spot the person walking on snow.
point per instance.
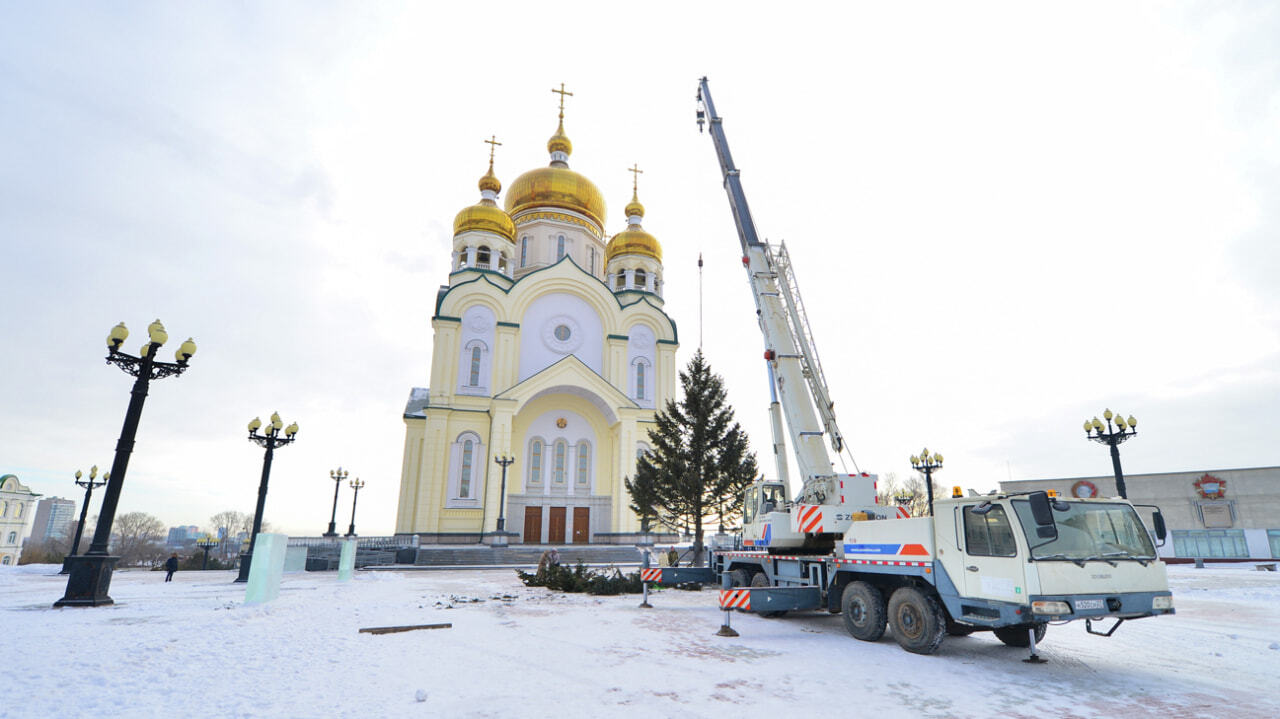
(171, 566)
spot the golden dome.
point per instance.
(559, 142)
(634, 208)
(556, 187)
(485, 217)
(634, 242)
(490, 181)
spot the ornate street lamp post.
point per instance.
(1113, 436)
(90, 573)
(206, 543)
(270, 439)
(356, 484)
(337, 475)
(502, 494)
(89, 485)
(927, 465)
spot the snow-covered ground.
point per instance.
(192, 648)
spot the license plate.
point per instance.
(1088, 604)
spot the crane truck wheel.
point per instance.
(917, 620)
(862, 606)
(1016, 636)
(760, 580)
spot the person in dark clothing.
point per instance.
(171, 565)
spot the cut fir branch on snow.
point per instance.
(701, 460)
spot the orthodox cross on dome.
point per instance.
(562, 92)
(493, 145)
(636, 172)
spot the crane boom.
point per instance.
(796, 376)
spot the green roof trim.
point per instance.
(509, 324)
(624, 338)
(487, 276)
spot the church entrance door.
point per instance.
(581, 525)
(556, 535)
(533, 525)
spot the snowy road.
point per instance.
(192, 648)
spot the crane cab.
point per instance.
(766, 517)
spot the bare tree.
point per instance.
(139, 538)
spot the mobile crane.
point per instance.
(1001, 562)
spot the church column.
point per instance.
(631, 280)
(433, 482)
(471, 256)
(628, 435)
(444, 351)
(499, 446)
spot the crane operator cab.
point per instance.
(766, 516)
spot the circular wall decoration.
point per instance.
(560, 334)
(562, 423)
(1084, 489)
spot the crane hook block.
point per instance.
(769, 355)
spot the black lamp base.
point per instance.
(89, 580)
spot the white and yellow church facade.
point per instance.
(551, 349)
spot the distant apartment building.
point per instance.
(181, 536)
(16, 500)
(53, 520)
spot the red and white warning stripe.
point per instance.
(810, 518)
(735, 599)
(651, 575)
(884, 562)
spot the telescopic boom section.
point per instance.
(785, 346)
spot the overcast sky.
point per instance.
(1004, 217)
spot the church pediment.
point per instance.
(571, 376)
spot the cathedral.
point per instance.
(551, 352)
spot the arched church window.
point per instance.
(535, 462)
(4, 507)
(619, 282)
(474, 379)
(593, 260)
(639, 279)
(524, 251)
(584, 464)
(560, 247)
(13, 537)
(17, 510)
(464, 479)
(6, 560)
(502, 263)
(482, 256)
(558, 468)
(642, 377)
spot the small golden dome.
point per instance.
(633, 242)
(556, 187)
(490, 181)
(485, 217)
(559, 142)
(634, 208)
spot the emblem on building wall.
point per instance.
(561, 423)
(1084, 489)
(1210, 487)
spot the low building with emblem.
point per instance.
(1210, 514)
(551, 348)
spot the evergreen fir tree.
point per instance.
(701, 461)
